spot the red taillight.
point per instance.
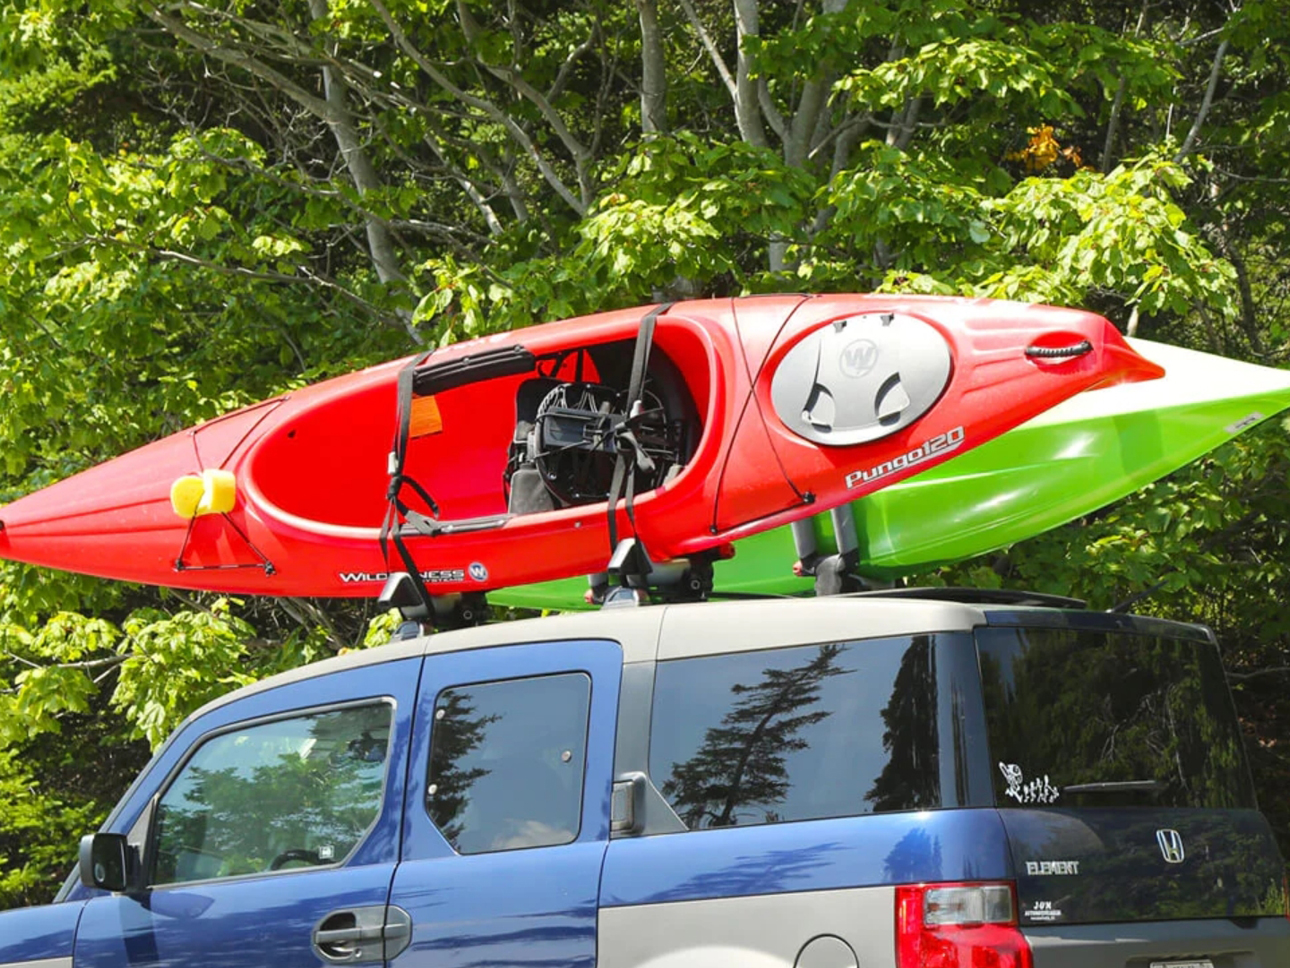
(959, 926)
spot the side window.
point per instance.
(507, 762)
(287, 793)
(801, 733)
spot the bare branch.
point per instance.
(1190, 141)
(770, 111)
(517, 82)
(705, 38)
(1258, 673)
(1117, 105)
(331, 108)
(490, 109)
(317, 106)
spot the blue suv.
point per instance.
(832, 783)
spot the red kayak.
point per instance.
(706, 421)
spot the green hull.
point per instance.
(1079, 456)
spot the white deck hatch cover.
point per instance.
(861, 378)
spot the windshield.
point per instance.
(1109, 718)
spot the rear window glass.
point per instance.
(801, 733)
(1102, 719)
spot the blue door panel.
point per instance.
(816, 855)
(266, 920)
(603, 661)
(513, 908)
(38, 933)
(532, 906)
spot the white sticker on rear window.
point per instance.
(1043, 911)
(1036, 791)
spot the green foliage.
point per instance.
(173, 664)
(1119, 232)
(955, 71)
(37, 830)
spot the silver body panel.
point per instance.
(763, 931)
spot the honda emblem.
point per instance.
(1171, 846)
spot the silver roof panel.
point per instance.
(668, 631)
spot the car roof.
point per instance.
(660, 632)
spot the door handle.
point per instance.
(330, 936)
(357, 935)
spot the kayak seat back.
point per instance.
(565, 444)
(563, 450)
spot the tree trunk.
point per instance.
(653, 70)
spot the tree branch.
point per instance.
(1214, 71)
(518, 83)
(481, 104)
(331, 109)
(718, 61)
(1258, 673)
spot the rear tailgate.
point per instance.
(1121, 780)
(1086, 866)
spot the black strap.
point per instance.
(395, 507)
(615, 489)
(627, 446)
(399, 451)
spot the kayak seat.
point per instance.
(565, 444)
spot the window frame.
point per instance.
(582, 784)
(151, 814)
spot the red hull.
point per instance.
(312, 467)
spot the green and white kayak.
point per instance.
(1075, 458)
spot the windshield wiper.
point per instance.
(1118, 786)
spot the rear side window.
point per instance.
(1109, 718)
(507, 760)
(802, 733)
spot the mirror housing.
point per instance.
(110, 862)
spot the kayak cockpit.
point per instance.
(568, 437)
(488, 436)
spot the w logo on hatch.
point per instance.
(1171, 846)
(859, 357)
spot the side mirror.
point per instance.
(109, 862)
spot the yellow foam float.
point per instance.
(210, 492)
